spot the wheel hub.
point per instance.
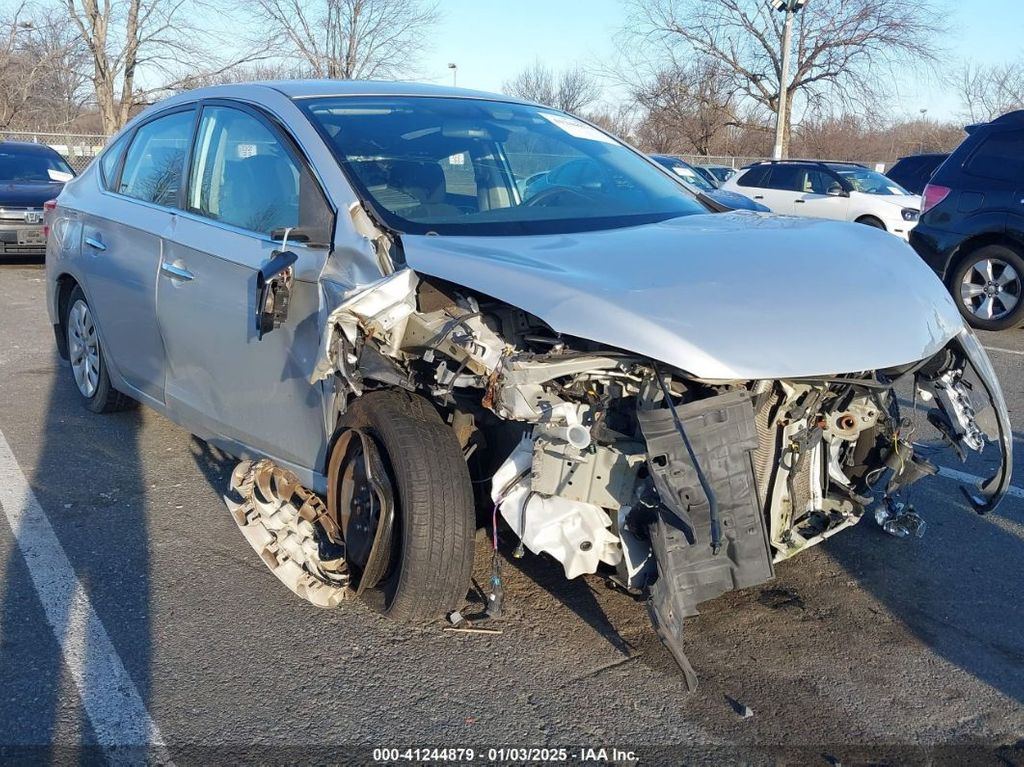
(83, 349)
(990, 289)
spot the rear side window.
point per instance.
(1000, 157)
(756, 176)
(788, 177)
(153, 166)
(110, 161)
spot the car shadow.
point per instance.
(89, 480)
(958, 589)
(577, 594)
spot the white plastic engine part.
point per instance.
(574, 533)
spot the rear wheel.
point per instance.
(88, 366)
(400, 491)
(988, 287)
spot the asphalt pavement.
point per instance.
(128, 595)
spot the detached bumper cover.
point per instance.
(989, 492)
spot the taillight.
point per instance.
(933, 195)
(48, 207)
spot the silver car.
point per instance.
(357, 289)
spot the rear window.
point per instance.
(1000, 157)
(755, 176)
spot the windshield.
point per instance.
(868, 181)
(468, 166)
(33, 167)
(687, 173)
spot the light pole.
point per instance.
(455, 70)
(789, 7)
(924, 127)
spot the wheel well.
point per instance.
(869, 217)
(969, 246)
(66, 285)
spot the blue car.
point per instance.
(689, 174)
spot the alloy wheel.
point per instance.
(84, 349)
(990, 289)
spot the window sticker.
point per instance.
(59, 175)
(576, 128)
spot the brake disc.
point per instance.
(361, 502)
(291, 530)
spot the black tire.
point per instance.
(872, 222)
(999, 253)
(434, 510)
(104, 398)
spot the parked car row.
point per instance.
(835, 190)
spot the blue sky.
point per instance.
(491, 40)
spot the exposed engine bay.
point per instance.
(682, 489)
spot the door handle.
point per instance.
(176, 272)
(758, 196)
(800, 201)
(95, 243)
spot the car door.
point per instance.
(247, 185)
(121, 248)
(823, 196)
(783, 187)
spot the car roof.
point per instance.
(26, 147)
(306, 89)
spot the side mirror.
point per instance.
(273, 291)
(836, 191)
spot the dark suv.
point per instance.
(972, 224)
(915, 171)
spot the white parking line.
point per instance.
(116, 711)
(1004, 351)
(971, 479)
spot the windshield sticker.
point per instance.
(58, 175)
(576, 128)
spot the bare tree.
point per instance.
(125, 36)
(350, 39)
(690, 105)
(24, 60)
(571, 90)
(988, 91)
(842, 48)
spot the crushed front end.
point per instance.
(677, 488)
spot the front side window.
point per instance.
(467, 166)
(153, 166)
(243, 175)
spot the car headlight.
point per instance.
(910, 214)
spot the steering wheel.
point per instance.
(551, 191)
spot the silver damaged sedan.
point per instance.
(413, 311)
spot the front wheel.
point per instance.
(400, 491)
(988, 287)
(88, 366)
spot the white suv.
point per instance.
(836, 190)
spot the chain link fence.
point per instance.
(77, 148)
